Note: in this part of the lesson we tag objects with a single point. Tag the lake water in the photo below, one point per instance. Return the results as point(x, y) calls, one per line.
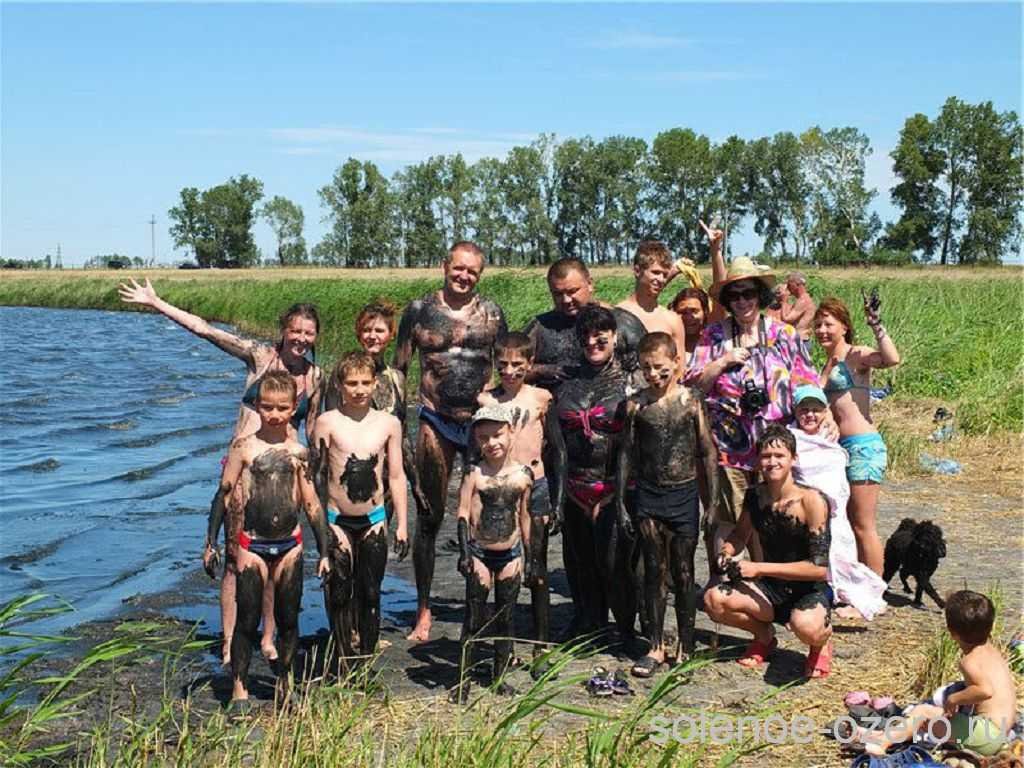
point(112, 438)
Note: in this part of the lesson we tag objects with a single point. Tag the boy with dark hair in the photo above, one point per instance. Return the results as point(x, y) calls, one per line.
point(492, 520)
point(528, 406)
point(976, 714)
point(652, 267)
point(356, 444)
point(790, 586)
point(666, 443)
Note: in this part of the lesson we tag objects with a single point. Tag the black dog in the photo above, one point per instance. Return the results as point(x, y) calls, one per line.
point(914, 549)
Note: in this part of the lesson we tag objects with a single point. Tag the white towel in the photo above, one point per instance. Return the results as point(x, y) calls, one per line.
point(821, 464)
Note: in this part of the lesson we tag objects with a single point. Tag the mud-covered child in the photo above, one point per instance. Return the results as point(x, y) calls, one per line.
point(528, 407)
point(355, 444)
point(494, 510)
point(266, 483)
point(667, 445)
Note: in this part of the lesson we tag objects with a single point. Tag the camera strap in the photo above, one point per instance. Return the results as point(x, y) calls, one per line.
point(762, 344)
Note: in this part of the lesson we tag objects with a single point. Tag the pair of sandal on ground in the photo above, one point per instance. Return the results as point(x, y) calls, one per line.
point(604, 683)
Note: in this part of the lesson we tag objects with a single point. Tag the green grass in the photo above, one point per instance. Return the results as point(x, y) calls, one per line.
point(355, 722)
point(961, 340)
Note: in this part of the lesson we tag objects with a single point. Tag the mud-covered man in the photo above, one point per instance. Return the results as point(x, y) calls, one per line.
point(558, 354)
point(453, 330)
point(584, 431)
point(494, 520)
point(356, 444)
point(667, 445)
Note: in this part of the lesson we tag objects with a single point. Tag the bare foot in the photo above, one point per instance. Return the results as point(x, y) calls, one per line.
point(848, 612)
point(269, 650)
point(421, 632)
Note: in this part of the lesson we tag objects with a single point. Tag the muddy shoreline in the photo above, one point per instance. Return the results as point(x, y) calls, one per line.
point(973, 520)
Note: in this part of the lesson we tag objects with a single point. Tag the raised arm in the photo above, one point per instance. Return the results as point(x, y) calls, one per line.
point(886, 356)
point(244, 349)
point(557, 471)
point(397, 486)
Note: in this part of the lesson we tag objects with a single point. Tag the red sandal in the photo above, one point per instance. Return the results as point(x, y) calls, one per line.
point(757, 653)
point(819, 661)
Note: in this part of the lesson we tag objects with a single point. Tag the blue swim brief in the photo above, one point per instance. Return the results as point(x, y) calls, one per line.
point(356, 523)
point(868, 457)
point(455, 433)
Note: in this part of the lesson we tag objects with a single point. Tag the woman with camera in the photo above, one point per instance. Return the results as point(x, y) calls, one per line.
point(748, 365)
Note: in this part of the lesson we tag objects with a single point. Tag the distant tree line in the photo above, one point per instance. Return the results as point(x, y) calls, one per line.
point(959, 192)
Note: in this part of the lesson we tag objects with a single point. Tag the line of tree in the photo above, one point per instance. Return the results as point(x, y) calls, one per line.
point(959, 192)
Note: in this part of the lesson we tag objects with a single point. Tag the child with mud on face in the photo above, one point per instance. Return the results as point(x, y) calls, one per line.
point(667, 445)
point(355, 443)
point(494, 510)
point(528, 406)
point(266, 482)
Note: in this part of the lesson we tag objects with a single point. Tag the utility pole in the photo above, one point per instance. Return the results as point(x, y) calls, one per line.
point(152, 239)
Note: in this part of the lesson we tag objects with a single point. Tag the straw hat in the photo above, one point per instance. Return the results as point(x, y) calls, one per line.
point(743, 268)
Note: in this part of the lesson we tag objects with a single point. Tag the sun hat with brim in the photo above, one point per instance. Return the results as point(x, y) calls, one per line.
point(496, 413)
point(809, 392)
point(743, 268)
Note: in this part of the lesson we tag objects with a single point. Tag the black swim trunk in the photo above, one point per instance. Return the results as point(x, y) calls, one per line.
point(540, 499)
point(675, 507)
point(495, 559)
point(788, 596)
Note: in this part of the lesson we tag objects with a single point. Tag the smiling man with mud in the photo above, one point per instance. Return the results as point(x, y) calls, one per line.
point(356, 443)
point(453, 330)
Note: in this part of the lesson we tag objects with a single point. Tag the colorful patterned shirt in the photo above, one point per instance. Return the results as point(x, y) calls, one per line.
point(779, 365)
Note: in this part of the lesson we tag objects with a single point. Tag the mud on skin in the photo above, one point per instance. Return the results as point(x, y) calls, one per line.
point(554, 335)
point(360, 478)
point(271, 511)
point(499, 510)
point(455, 353)
point(666, 441)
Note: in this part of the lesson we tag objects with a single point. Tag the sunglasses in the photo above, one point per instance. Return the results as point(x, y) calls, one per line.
point(747, 295)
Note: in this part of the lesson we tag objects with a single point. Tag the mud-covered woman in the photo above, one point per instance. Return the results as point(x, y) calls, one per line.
point(584, 430)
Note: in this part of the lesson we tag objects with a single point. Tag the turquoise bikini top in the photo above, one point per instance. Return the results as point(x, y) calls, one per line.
point(840, 379)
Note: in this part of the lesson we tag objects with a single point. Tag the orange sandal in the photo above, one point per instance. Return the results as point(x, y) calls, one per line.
point(819, 661)
point(757, 653)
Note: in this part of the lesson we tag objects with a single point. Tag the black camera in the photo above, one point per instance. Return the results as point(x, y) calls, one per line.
point(753, 398)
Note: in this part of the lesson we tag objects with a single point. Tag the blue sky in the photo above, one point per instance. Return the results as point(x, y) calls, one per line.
point(108, 110)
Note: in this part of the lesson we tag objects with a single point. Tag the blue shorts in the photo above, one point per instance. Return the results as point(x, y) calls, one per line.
point(868, 457)
point(455, 433)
